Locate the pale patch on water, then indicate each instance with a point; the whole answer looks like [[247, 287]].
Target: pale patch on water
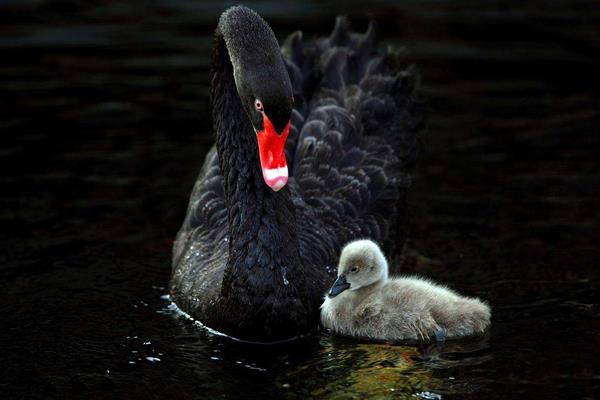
[[173, 308], [429, 396]]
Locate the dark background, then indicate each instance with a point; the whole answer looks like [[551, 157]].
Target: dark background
[[104, 123]]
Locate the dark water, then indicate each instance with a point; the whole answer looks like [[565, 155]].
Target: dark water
[[104, 124]]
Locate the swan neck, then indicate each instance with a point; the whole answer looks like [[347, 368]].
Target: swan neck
[[253, 208], [263, 245]]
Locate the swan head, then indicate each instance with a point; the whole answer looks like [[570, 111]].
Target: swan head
[[362, 263], [263, 85]]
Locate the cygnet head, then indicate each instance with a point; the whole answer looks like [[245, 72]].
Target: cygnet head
[[362, 263]]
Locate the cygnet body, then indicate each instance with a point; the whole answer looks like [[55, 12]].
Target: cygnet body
[[363, 302]]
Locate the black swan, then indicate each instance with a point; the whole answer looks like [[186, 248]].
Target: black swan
[[314, 147]]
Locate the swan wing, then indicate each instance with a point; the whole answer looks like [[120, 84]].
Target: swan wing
[[353, 140], [206, 216]]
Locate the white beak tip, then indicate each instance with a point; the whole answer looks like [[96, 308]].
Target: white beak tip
[[276, 178]]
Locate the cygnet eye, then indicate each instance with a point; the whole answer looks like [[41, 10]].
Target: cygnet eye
[[354, 269], [258, 105]]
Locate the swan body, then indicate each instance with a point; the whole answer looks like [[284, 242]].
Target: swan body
[[314, 146], [365, 303]]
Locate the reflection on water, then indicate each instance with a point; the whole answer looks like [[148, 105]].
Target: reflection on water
[[104, 122], [365, 370], [338, 368]]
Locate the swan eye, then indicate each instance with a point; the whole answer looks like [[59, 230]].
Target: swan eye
[[258, 105], [354, 269]]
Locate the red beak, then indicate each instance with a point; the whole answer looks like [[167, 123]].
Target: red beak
[[271, 148]]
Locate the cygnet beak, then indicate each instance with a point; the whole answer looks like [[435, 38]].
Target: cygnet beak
[[339, 286]]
